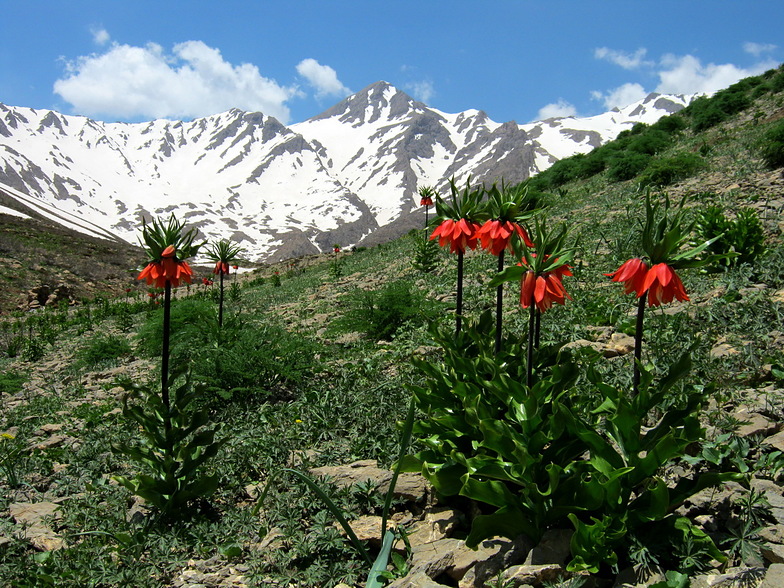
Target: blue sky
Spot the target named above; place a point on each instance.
(516, 60)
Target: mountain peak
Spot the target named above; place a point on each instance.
(380, 100)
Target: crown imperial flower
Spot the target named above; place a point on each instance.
(496, 235)
(543, 290)
(632, 273)
(459, 234)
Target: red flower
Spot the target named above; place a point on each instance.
(426, 201)
(633, 274)
(545, 289)
(336, 249)
(236, 267)
(222, 267)
(459, 234)
(663, 284)
(495, 235)
(168, 269)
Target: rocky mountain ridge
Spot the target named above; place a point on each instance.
(280, 191)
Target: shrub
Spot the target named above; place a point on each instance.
(772, 146)
(191, 322)
(103, 349)
(665, 171)
(650, 143)
(11, 382)
(255, 359)
(670, 124)
(379, 314)
(627, 165)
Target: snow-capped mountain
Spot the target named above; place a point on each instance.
(279, 191)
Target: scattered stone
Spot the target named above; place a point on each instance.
(773, 552)
(535, 575)
(33, 518)
(731, 578)
(722, 350)
(774, 577)
(413, 487)
(773, 534)
(619, 344)
(416, 580)
(553, 548)
(508, 554)
(433, 559)
(755, 423)
(358, 472)
(437, 524)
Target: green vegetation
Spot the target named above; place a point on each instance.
(287, 384)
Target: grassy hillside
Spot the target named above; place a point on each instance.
(317, 356)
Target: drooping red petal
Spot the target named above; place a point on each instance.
(527, 284)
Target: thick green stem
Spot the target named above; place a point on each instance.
(165, 351)
(499, 305)
(638, 343)
(459, 302)
(529, 380)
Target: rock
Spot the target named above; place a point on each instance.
(722, 350)
(774, 577)
(509, 553)
(554, 548)
(776, 441)
(437, 524)
(535, 575)
(358, 472)
(755, 423)
(33, 518)
(599, 334)
(580, 343)
(731, 578)
(433, 559)
(619, 344)
(416, 580)
(367, 528)
(410, 486)
(773, 552)
(773, 534)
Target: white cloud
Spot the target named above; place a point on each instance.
(625, 60)
(322, 77)
(757, 49)
(687, 75)
(620, 96)
(422, 91)
(556, 110)
(194, 80)
(100, 36)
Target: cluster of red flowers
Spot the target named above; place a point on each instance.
(544, 289)
(660, 282)
(426, 201)
(222, 267)
(207, 282)
(167, 269)
(494, 235)
(460, 234)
